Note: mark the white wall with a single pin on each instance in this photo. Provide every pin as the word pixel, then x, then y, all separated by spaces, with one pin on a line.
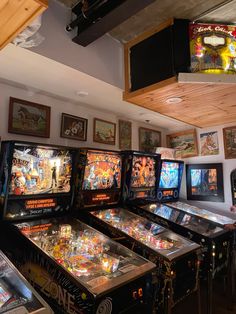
pixel 57 107
pixel 228 166
pixel 102 59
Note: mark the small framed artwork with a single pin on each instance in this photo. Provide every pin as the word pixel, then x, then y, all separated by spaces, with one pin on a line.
pixel 184 143
pixel 229 135
pixel 204 182
pixel 104 132
pixel 28 118
pixel 125 135
pixel 209 143
pixel 73 127
pixel 149 139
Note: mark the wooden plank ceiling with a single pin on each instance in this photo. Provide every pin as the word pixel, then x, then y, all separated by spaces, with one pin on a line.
pixel 203 104
pixel 15 15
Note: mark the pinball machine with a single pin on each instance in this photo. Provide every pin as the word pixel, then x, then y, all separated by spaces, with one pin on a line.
pixel 16 295
pixel 76 268
pixel 99 182
pixel 233 186
pixel 201 226
pixel 233 191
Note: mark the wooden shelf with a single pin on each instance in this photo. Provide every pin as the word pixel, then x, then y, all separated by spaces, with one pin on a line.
pixel 207 99
pixel 15 15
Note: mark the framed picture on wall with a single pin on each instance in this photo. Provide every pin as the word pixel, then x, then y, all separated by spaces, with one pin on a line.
pixel 28 118
pixel 229 135
pixel 104 132
pixel 149 139
pixel 204 182
pixel 73 127
pixel 125 134
pixel 209 143
pixel 184 143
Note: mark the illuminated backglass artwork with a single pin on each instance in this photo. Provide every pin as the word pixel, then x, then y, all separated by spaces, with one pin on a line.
pixel 143 172
pixel 169 178
pixel 37 170
pixel 213 48
pixel 102 171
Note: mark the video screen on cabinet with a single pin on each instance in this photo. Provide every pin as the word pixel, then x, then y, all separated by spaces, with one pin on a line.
pixel 102 171
pixel 169 177
pixel 143 172
pixel 205 182
pixel 39 170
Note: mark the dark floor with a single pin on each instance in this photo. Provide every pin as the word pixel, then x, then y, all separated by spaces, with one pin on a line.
pixel 221 303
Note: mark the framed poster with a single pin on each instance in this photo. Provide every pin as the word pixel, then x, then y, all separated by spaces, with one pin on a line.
pixel 125 135
pixel 204 182
pixel 28 118
pixel 73 127
pixel 184 143
pixel 149 139
pixel 104 132
pixel 209 143
pixel 229 135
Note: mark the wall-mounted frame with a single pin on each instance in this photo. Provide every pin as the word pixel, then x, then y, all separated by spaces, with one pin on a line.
pixel 125 135
pixel 204 182
pixel 28 118
pixel 229 135
pixel 233 186
pixel 149 139
pixel 209 144
pixel 104 132
pixel 73 127
pixel 184 143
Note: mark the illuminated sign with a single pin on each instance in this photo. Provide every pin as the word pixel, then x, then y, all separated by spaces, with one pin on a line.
pixel 101 197
pixel 141 194
pixel 168 193
pixel 213 48
pixel 42 203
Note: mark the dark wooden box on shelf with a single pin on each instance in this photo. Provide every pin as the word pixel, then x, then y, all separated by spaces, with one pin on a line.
pixel 158 54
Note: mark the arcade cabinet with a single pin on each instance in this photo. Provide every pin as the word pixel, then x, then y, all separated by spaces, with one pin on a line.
pixel 199 225
pixel 98 202
pixel 233 191
pixel 76 268
pixel 233 186
pixel 16 295
pixel 140 174
pixel 170 180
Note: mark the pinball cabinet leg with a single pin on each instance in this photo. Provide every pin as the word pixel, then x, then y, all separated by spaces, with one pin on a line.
pixel 163 298
pixel 168 297
pixel 199 307
pixel 209 291
pixel 230 275
pixel 234 268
